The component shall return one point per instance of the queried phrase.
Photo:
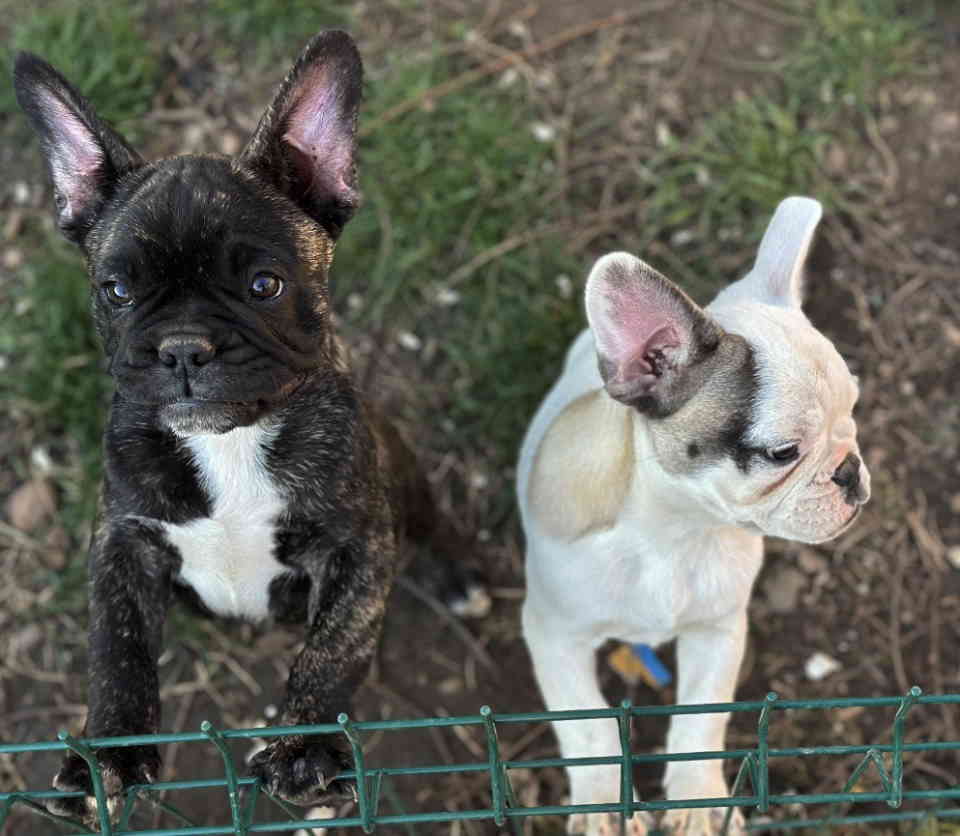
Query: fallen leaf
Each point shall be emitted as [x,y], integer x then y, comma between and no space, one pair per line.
[30,504]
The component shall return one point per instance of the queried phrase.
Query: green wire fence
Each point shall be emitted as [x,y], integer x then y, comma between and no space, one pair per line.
[751,789]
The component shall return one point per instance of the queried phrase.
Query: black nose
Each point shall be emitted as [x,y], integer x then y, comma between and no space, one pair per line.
[847,476]
[185,350]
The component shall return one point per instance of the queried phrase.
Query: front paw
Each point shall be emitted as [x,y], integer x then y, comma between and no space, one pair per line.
[303,771]
[119,769]
[704,822]
[608,824]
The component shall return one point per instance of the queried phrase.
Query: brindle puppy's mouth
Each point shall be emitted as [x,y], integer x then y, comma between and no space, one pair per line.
[198,416]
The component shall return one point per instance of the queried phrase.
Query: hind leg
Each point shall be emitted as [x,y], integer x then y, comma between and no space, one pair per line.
[440,569]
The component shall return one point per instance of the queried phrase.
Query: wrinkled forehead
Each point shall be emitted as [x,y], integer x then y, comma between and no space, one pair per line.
[195,208]
[803,382]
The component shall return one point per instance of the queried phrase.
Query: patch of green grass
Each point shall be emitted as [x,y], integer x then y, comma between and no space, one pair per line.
[447,184]
[99,46]
[273,29]
[443,186]
[54,378]
[716,189]
[853,46]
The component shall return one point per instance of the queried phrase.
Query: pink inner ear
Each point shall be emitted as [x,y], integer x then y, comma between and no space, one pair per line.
[637,326]
[321,131]
[76,157]
[74,146]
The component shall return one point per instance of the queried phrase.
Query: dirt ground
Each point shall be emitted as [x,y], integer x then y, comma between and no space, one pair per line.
[884,601]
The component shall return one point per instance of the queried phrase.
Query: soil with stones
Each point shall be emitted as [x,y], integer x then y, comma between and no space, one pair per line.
[883,602]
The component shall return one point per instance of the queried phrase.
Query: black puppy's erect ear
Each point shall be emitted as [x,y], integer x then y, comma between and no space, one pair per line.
[86,157]
[650,336]
[305,144]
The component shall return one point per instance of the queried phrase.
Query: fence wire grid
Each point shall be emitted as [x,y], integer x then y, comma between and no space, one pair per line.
[751,789]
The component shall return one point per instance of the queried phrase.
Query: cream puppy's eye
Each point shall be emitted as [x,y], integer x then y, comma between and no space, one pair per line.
[784,453]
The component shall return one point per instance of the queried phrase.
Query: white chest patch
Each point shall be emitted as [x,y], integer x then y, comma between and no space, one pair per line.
[228,556]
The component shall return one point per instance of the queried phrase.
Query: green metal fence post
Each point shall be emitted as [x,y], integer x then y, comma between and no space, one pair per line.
[363,797]
[626,765]
[85,752]
[129,803]
[504,808]
[496,766]
[233,789]
[746,767]
[896,772]
[763,749]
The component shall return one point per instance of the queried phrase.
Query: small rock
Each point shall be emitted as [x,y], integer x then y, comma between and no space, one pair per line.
[30,504]
[953,556]
[194,135]
[543,131]
[450,685]
[447,296]
[409,341]
[40,461]
[783,587]
[13,258]
[230,143]
[564,286]
[820,666]
[663,134]
[518,29]
[946,122]
[21,192]
[508,78]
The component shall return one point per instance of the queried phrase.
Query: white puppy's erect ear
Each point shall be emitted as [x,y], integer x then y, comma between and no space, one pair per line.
[777,275]
[648,333]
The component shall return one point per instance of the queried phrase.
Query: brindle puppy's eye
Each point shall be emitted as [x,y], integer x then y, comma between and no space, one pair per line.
[265,286]
[784,453]
[117,293]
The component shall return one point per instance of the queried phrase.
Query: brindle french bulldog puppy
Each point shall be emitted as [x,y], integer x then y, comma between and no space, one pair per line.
[243,472]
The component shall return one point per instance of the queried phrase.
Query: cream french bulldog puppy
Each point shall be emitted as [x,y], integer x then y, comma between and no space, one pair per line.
[675,438]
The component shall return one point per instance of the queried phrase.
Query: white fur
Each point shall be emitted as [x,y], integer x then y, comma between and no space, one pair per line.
[682,556]
[667,569]
[228,556]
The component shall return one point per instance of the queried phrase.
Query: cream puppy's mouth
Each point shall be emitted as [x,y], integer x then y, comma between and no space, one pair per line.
[854,515]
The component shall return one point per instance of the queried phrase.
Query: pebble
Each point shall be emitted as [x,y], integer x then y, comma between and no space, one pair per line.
[543,131]
[820,666]
[409,341]
[953,556]
[13,258]
[30,504]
